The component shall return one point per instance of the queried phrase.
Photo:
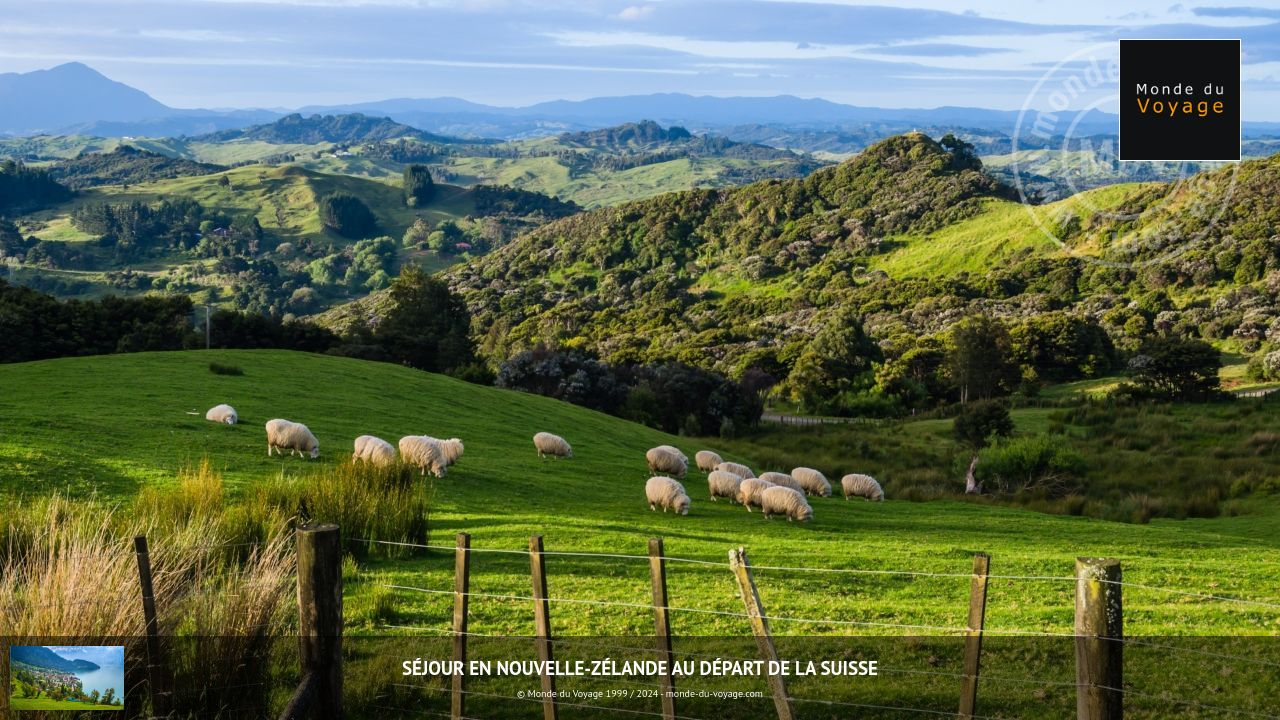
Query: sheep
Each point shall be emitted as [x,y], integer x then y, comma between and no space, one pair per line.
[663,459]
[783,479]
[222,414]
[785,501]
[373,450]
[666,493]
[452,450]
[738,469]
[863,486]
[707,460]
[813,482]
[723,484]
[295,437]
[676,451]
[552,445]
[424,453]
[749,491]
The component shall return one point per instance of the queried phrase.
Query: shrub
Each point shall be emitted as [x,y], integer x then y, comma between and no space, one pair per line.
[220,369]
[1033,463]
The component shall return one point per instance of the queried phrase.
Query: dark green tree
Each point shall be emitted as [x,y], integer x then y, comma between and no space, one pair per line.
[1174,368]
[418,186]
[980,359]
[974,427]
[347,215]
[427,326]
[839,353]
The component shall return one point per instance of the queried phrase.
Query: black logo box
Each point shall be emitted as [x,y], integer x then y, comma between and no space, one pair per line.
[1180,65]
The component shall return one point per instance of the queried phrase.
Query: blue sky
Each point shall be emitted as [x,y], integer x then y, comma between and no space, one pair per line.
[910,53]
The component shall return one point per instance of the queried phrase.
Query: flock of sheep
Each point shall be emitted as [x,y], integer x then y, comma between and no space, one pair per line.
[775,493]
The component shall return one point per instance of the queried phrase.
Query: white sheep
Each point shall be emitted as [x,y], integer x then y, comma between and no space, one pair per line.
[373,450]
[424,453]
[785,501]
[738,469]
[677,451]
[666,459]
[666,493]
[863,486]
[452,450]
[707,460]
[749,491]
[552,445]
[222,414]
[813,482]
[723,484]
[295,437]
[783,479]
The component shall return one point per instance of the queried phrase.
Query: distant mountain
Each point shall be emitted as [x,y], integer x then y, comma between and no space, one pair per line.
[126,165]
[67,95]
[628,135]
[348,128]
[42,657]
[185,123]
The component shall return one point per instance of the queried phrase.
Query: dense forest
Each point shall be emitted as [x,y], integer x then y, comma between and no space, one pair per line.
[127,165]
[25,189]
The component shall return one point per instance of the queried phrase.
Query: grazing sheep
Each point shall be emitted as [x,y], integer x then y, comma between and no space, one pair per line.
[373,450]
[452,450]
[749,492]
[723,484]
[424,453]
[707,460]
[662,459]
[813,482]
[668,494]
[552,445]
[863,486]
[295,437]
[677,451]
[222,414]
[785,501]
[738,469]
[783,479]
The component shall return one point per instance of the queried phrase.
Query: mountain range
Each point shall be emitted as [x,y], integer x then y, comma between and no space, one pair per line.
[73,98]
[42,657]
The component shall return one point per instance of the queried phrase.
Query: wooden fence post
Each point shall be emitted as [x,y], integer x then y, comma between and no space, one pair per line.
[155,663]
[973,635]
[320,617]
[662,627]
[1099,640]
[760,627]
[461,588]
[542,626]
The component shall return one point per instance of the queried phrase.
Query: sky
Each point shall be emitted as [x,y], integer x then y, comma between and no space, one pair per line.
[903,53]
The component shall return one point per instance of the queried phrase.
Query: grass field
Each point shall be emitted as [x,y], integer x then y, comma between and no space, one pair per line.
[44,703]
[107,426]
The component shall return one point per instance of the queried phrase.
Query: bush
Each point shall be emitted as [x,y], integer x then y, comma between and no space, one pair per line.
[220,369]
[1035,463]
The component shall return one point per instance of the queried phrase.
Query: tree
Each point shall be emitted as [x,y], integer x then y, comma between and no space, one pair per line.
[974,427]
[1174,368]
[980,358]
[427,326]
[418,186]
[347,215]
[108,697]
[839,353]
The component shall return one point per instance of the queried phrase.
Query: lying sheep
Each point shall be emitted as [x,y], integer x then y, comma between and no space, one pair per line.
[295,437]
[452,450]
[222,414]
[813,482]
[373,450]
[723,484]
[665,493]
[783,479]
[785,501]
[707,460]
[738,469]
[666,459]
[749,492]
[863,486]
[424,453]
[552,445]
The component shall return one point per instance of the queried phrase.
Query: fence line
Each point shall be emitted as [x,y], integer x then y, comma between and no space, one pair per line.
[549,553]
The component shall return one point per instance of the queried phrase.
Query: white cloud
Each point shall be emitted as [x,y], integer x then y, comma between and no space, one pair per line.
[635,12]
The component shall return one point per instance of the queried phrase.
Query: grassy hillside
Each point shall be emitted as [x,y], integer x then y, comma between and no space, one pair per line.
[110,425]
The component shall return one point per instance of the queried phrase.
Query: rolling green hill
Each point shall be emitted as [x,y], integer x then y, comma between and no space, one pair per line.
[106,426]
